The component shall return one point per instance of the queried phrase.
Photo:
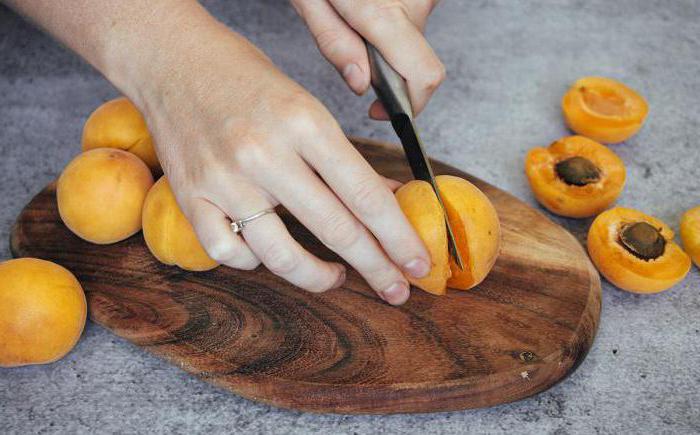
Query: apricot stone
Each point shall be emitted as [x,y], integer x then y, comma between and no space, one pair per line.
[100,195]
[168,234]
[635,251]
[42,312]
[474,222]
[119,124]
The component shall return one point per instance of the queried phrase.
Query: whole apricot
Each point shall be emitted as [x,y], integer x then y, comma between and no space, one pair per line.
[42,312]
[100,195]
[168,234]
[690,233]
[474,222]
[575,176]
[636,252]
[604,109]
[119,124]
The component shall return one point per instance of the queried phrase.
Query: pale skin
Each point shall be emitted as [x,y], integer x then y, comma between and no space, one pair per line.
[236,136]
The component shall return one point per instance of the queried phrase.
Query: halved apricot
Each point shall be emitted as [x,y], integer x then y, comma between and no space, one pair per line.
[474,222]
[690,233]
[604,109]
[575,176]
[636,252]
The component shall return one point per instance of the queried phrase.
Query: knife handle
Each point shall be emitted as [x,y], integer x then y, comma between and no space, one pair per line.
[388,84]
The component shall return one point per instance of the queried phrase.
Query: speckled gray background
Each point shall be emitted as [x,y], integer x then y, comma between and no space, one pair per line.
[508,64]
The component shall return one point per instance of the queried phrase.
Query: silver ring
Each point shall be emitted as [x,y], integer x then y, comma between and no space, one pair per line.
[238,225]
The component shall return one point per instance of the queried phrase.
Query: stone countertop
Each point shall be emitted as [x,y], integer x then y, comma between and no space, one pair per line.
[508,63]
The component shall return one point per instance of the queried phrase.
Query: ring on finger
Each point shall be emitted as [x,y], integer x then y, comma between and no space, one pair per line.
[238,225]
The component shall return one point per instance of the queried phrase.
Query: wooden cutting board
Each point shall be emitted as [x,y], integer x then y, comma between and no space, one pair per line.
[526,327]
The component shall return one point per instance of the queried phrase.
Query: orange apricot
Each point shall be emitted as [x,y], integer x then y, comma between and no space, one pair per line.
[100,195]
[604,109]
[168,234]
[636,252]
[575,176]
[690,233]
[474,222]
[42,312]
[119,124]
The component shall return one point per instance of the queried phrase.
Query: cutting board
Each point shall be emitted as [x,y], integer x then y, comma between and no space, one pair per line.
[526,327]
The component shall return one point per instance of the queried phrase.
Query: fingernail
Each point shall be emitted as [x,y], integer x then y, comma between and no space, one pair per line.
[396,294]
[341,279]
[417,268]
[356,80]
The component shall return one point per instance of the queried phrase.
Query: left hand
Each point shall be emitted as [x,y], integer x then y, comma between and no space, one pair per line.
[395,27]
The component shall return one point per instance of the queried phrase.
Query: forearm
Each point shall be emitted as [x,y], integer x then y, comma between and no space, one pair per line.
[133,43]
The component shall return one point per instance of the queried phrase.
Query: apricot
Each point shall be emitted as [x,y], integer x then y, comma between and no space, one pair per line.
[168,234]
[42,312]
[636,252]
[575,176]
[473,220]
[604,109]
[690,233]
[119,124]
[100,195]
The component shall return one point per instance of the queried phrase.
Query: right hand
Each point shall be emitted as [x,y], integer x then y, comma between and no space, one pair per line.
[236,136]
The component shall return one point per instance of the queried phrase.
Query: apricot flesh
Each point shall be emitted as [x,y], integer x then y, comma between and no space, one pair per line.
[168,234]
[42,312]
[603,109]
[474,222]
[575,176]
[690,233]
[119,124]
[625,247]
[100,195]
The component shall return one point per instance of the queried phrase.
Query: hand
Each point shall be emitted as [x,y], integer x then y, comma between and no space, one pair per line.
[236,136]
[394,27]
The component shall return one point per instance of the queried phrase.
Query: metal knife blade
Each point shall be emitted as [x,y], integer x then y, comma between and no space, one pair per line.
[391,90]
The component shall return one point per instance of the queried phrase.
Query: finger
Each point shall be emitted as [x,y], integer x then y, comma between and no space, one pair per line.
[419,10]
[338,43]
[317,208]
[270,241]
[377,111]
[365,193]
[392,184]
[213,230]
[386,24]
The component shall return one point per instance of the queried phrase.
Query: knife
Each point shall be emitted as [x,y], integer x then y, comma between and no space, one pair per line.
[391,90]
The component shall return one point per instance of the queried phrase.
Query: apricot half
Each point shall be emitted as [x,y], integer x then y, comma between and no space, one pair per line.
[604,109]
[119,124]
[473,220]
[575,176]
[690,233]
[42,312]
[100,195]
[168,234]
[636,252]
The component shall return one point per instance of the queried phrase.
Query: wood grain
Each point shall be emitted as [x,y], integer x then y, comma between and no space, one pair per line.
[526,327]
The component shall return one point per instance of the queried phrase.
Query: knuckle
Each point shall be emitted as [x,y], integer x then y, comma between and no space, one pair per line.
[340,232]
[244,264]
[368,198]
[250,153]
[330,41]
[279,259]
[435,76]
[384,11]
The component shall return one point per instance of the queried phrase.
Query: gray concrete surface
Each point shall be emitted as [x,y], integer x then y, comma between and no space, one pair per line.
[508,63]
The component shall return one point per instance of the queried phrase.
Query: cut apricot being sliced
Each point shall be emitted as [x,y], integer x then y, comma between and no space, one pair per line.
[474,222]
[575,176]
[604,109]
[635,251]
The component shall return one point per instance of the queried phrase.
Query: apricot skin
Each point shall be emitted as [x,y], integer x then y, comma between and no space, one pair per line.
[168,234]
[100,195]
[42,312]
[473,220]
[119,124]
[604,110]
[621,267]
[570,200]
[690,233]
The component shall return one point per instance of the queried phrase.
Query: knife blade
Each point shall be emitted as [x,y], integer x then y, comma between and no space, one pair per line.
[392,91]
